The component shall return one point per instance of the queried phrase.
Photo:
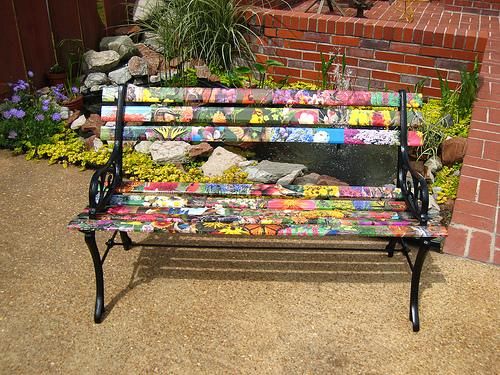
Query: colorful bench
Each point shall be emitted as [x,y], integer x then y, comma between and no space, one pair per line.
[233,116]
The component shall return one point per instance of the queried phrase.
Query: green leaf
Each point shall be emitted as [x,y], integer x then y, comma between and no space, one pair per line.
[260,68]
[274,63]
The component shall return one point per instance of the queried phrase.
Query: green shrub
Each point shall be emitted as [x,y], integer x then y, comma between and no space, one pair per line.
[447,179]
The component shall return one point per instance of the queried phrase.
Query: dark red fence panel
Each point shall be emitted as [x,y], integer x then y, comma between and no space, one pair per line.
[30,31]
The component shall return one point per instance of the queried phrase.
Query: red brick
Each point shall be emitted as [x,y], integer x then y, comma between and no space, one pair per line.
[448,40]
[467,188]
[491,150]
[480,114]
[400,68]
[303,21]
[456,241]
[378,33]
[349,28]
[368,31]
[473,221]
[475,147]
[289,53]
[389,56]
[313,56]
[491,165]
[269,32]
[481,134]
[407,34]
[494,116]
[459,42]
[412,49]
[431,92]
[313,24]
[419,60]
[361,52]
[358,28]
[488,192]
[471,171]
[388,33]
[480,244]
[340,28]
[300,45]
[313,75]
[290,34]
[476,209]
[346,41]
[428,38]
[496,256]
[287,71]
[322,25]
[385,76]
[470,42]
[418,36]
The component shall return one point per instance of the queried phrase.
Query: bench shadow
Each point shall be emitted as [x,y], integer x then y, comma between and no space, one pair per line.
[270,260]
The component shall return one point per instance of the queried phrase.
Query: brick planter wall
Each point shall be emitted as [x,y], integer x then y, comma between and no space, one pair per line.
[483,7]
[381,54]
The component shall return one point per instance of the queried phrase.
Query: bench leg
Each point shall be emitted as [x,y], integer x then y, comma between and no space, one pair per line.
[127,242]
[415,283]
[391,246]
[99,277]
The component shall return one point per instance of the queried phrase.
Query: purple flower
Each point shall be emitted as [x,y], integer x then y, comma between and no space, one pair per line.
[75,90]
[15,99]
[45,108]
[46,102]
[39,117]
[56,116]
[30,74]
[7,114]
[18,113]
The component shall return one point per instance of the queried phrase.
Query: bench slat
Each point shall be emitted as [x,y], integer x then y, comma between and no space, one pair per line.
[239,134]
[176,201]
[261,116]
[296,191]
[259,96]
[83,223]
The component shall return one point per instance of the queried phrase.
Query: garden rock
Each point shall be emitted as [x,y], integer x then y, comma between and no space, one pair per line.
[100,61]
[73,117]
[434,164]
[219,161]
[203,149]
[434,208]
[96,88]
[289,178]
[154,79]
[93,125]
[169,151]
[127,30]
[122,44]
[93,143]
[154,60]
[78,123]
[143,147]
[137,66]
[65,113]
[325,180]
[152,41]
[142,8]
[453,150]
[308,179]
[95,79]
[120,76]
[270,172]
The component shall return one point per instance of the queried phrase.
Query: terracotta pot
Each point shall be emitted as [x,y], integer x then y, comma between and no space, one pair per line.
[74,103]
[56,78]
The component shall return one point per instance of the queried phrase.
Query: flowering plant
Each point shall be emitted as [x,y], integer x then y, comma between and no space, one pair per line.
[29,118]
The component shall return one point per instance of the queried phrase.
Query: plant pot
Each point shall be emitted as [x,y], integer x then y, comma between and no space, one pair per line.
[74,103]
[56,78]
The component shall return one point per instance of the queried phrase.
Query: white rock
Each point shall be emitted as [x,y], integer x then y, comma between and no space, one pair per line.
[144,147]
[434,164]
[142,7]
[98,144]
[100,61]
[120,76]
[122,44]
[78,123]
[137,66]
[169,151]
[288,179]
[154,79]
[270,172]
[64,113]
[219,161]
[95,79]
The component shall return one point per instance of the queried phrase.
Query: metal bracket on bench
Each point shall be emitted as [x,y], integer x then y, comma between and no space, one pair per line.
[415,190]
[105,179]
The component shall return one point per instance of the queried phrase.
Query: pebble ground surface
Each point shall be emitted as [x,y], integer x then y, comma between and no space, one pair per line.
[235,310]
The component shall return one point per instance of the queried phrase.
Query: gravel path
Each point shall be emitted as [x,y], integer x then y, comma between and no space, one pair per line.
[236,311]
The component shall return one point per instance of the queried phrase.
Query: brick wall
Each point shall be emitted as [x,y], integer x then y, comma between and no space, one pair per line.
[475,226]
[381,54]
[483,7]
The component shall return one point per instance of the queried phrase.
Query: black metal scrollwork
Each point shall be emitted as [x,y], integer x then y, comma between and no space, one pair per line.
[412,184]
[106,179]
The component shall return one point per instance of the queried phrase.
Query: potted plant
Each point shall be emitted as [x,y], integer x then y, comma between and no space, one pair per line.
[56,75]
[72,50]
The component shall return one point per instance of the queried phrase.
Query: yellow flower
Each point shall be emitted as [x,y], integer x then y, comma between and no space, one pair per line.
[147,97]
[219,118]
[257,117]
[234,230]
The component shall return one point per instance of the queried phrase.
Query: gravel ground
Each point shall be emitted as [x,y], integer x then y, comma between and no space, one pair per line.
[236,310]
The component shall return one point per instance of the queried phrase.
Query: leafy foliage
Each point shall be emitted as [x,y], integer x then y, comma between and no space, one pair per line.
[447,180]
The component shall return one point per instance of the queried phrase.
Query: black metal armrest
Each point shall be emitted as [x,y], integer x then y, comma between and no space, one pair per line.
[105,180]
[412,184]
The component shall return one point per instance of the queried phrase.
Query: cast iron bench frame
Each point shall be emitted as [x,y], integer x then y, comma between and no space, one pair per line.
[413,186]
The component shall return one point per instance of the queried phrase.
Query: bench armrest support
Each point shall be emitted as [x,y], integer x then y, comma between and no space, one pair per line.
[412,184]
[106,179]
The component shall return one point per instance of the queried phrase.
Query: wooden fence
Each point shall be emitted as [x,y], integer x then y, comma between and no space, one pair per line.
[30,30]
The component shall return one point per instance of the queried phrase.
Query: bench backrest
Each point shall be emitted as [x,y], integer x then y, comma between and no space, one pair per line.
[258,115]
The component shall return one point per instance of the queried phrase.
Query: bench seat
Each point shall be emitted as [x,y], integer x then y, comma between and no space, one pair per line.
[258,209]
